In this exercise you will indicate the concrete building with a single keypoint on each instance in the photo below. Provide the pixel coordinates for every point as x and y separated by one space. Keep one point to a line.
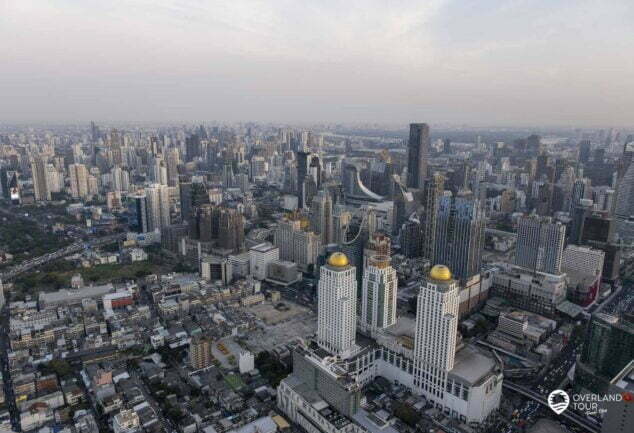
158 206
540 244
38 173
200 352
337 306
417 154
537 292
78 180
260 256
583 266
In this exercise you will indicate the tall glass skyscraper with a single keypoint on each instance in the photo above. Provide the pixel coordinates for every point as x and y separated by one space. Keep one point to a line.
460 236
417 154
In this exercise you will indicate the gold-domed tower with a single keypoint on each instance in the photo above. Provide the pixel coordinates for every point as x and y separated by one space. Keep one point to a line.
440 273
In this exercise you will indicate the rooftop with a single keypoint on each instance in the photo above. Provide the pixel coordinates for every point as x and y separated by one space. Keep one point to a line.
472 366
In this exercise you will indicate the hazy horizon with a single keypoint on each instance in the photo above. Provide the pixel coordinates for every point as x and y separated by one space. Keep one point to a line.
515 63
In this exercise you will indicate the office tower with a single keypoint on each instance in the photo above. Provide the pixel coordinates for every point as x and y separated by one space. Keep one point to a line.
200 356
583 266
417 154
321 217
584 151
231 230
172 236
78 180
436 332
625 195
580 191
38 172
308 165
260 256
192 147
460 236
540 244
172 161
599 232
378 299
354 189
432 192
158 206
206 223
192 195
579 214
410 238
608 348
337 306
140 211
284 236
215 268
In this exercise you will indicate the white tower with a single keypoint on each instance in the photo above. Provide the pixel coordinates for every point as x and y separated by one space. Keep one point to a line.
378 303
337 306
436 330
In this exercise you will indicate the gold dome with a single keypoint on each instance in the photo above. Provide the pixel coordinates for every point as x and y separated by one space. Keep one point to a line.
338 260
440 273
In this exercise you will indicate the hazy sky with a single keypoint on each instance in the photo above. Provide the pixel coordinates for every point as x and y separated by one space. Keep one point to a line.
482 62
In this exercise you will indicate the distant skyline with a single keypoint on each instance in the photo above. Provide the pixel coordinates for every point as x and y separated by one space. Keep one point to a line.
485 62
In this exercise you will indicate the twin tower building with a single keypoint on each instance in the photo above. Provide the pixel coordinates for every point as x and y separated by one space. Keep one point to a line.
426 355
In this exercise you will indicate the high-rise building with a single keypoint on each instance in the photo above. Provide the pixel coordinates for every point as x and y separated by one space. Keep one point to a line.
619 417
295 243
608 348
337 306
140 211
378 300
432 192
38 172
200 356
158 206
417 154
172 161
308 166
119 179
540 244
231 230
436 332
260 256
460 236
321 217
585 148
78 180
625 195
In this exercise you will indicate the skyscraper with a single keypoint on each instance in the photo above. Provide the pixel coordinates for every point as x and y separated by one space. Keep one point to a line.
436 332
321 217
432 192
78 180
460 235
308 164
540 244
231 230
337 306
38 172
417 154
158 206
140 210
378 300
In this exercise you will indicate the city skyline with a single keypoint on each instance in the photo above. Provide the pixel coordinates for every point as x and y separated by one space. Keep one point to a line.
443 61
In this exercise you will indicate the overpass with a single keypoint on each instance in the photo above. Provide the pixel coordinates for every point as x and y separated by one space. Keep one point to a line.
578 420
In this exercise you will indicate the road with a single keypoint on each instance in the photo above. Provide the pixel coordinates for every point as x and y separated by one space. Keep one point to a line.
49 257
571 416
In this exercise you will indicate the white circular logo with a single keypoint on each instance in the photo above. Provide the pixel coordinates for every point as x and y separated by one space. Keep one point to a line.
558 400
